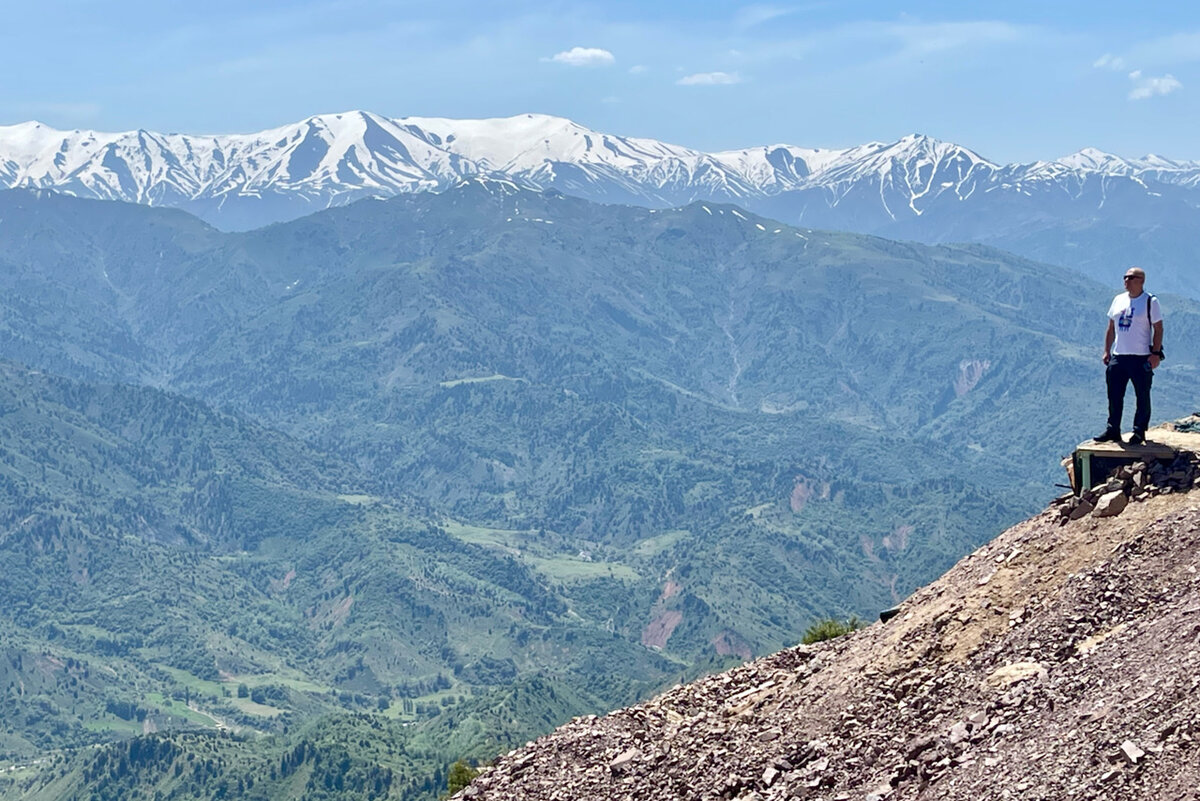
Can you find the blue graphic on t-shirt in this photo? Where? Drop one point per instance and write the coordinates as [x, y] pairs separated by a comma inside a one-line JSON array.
[[1126, 319]]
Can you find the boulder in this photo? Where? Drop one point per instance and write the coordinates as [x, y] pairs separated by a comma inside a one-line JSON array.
[[1111, 504], [1081, 509]]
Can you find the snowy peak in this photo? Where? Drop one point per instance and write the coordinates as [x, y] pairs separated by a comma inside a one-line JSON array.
[[544, 151], [777, 167], [1097, 161], [331, 159], [1091, 159], [526, 142], [914, 154]]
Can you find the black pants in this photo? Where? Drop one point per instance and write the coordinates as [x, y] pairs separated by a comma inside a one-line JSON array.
[[1121, 371]]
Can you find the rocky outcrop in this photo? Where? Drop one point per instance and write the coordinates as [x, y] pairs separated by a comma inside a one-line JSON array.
[[1135, 482], [1060, 661]]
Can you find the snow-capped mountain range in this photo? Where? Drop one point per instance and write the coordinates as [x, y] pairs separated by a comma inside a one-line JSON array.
[[334, 158], [917, 187]]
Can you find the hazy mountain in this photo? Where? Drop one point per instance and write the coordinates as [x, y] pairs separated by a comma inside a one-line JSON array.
[[534, 361], [1090, 210]]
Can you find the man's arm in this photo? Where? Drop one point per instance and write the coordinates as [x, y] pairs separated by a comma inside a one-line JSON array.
[[1157, 346], [1110, 336]]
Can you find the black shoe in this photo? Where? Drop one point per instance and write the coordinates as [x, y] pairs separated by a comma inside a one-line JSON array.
[[1137, 438], [1109, 435]]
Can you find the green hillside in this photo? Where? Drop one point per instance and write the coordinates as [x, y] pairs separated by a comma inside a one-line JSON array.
[[460, 466], [170, 566], [349, 756]]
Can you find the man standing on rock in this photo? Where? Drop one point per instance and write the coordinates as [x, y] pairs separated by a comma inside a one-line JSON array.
[[1132, 351]]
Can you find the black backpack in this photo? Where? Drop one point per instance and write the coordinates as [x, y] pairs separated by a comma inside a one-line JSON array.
[[1162, 354]]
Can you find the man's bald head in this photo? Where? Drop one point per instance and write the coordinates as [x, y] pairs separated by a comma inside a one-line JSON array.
[[1135, 272]]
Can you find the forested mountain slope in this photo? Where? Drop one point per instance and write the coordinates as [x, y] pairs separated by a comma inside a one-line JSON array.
[[160, 554], [493, 435]]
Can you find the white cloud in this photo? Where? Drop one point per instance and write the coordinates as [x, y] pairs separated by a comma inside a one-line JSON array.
[[637, 69], [709, 79], [1109, 61], [1151, 85], [583, 57]]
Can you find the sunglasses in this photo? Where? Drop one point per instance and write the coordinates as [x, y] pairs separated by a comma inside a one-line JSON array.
[[1134, 278]]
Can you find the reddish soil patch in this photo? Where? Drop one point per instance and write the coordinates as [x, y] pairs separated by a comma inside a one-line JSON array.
[[670, 590], [800, 495], [970, 371], [659, 630], [805, 490], [282, 584], [341, 610], [728, 642], [868, 547], [898, 540]]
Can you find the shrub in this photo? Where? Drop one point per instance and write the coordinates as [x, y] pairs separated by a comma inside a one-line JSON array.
[[830, 627], [460, 775]]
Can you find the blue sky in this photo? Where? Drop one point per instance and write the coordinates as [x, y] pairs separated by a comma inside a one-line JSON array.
[[1015, 81]]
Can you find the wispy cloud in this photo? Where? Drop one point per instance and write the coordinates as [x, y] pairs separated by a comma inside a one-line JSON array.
[[1146, 86], [710, 79], [875, 44], [922, 38], [583, 57], [757, 14], [1109, 62], [637, 69], [1177, 48]]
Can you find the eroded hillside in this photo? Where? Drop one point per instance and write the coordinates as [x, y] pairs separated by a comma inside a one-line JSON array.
[[1058, 661]]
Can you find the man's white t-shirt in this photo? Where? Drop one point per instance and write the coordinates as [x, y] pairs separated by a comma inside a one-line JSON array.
[[1133, 324]]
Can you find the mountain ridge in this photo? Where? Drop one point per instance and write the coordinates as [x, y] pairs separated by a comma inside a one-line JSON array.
[[1092, 211], [332, 157]]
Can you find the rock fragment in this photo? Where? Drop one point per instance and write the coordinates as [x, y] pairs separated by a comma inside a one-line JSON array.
[[1015, 672], [1131, 752], [624, 761]]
